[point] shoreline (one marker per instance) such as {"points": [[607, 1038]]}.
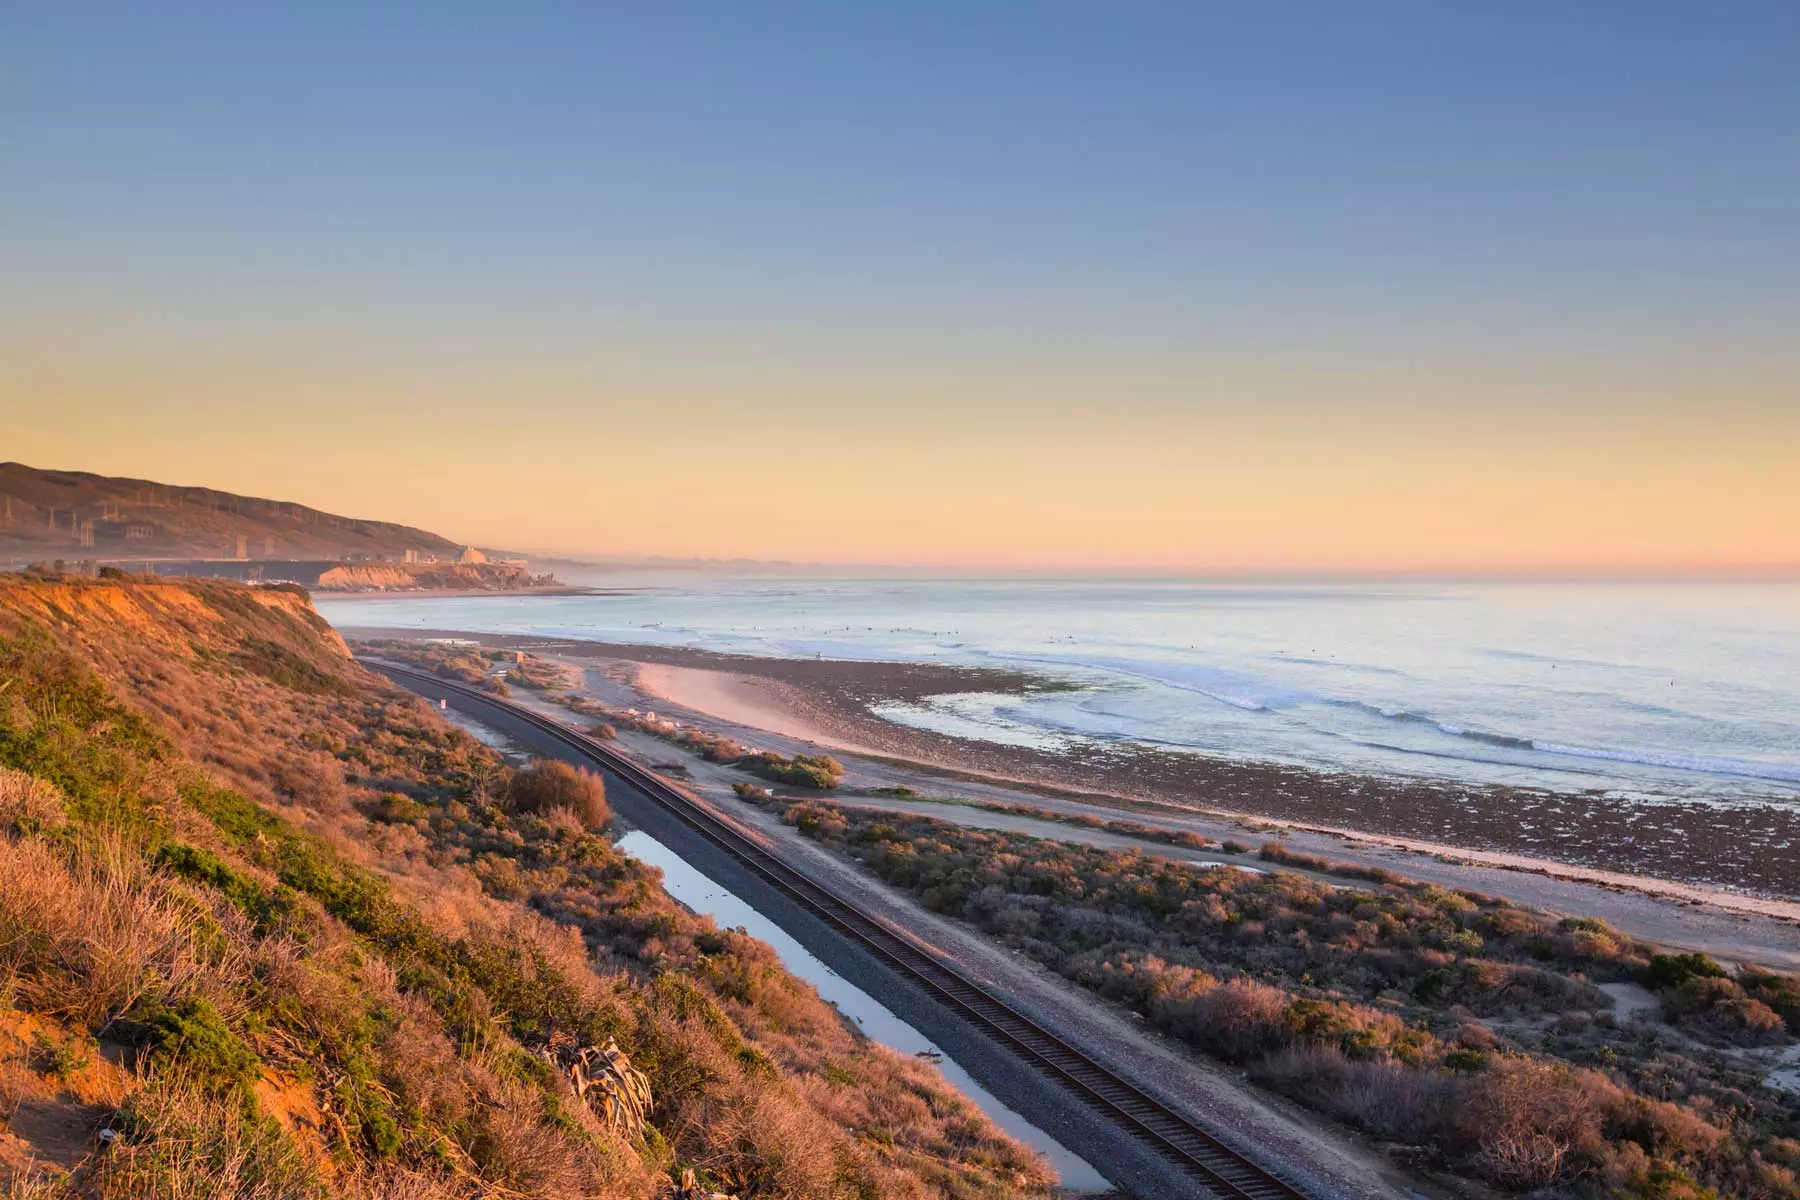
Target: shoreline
{"points": [[747, 701], [1692, 852], [554, 589]]}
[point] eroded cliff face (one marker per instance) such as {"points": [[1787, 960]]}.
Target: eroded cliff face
{"points": [[110, 620], [382, 577], [365, 579]]}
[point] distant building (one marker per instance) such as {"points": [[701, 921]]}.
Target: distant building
{"points": [[243, 546], [139, 532], [411, 556], [86, 533], [471, 555], [269, 546]]}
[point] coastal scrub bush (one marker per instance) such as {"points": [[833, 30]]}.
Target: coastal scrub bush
{"points": [[192, 1037], [178, 1143], [1669, 971], [818, 771], [282, 666], [1275, 852], [1443, 1019], [548, 784]]}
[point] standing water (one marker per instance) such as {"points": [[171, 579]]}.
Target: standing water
{"points": [[878, 1023]]}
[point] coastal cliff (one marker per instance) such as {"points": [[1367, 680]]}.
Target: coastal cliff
{"points": [[273, 928], [386, 577]]}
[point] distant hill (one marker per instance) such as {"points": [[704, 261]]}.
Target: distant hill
{"points": [[75, 514]]}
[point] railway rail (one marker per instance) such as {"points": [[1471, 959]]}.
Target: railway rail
{"points": [[1209, 1162]]}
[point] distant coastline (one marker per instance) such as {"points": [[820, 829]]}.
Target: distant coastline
{"points": [[405, 593]]}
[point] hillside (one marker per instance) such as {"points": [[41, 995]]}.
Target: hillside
{"points": [[78, 515], [270, 928]]}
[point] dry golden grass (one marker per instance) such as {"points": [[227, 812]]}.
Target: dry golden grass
{"points": [[265, 861], [84, 937]]}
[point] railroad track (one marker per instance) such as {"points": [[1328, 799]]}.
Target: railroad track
{"points": [[1219, 1169]]}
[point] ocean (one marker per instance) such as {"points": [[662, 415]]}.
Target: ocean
{"points": [[1679, 691]]}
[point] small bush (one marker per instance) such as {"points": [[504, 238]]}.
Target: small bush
{"points": [[818, 771], [179, 1143], [548, 784], [1275, 852], [1668, 971], [62, 1060], [194, 1037]]}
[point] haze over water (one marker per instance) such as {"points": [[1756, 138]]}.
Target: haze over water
{"points": [[1687, 691]]}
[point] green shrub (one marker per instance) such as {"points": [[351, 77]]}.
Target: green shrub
{"points": [[818, 771], [262, 905], [1668, 971], [192, 1039], [62, 1060]]}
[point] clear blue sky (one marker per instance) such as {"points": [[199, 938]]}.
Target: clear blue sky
{"points": [[1153, 206]]}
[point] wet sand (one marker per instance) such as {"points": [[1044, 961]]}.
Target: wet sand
{"points": [[1747, 848]]}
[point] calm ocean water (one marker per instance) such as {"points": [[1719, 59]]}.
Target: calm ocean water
{"points": [[1689, 691]]}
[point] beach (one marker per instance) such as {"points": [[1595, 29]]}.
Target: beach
{"points": [[1741, 847], [1682, 857], [1742, 925]]}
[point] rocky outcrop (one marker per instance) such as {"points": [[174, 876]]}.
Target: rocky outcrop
{"points": [[391, 577]]}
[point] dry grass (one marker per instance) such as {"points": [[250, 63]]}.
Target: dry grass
{"points": [[303, 889], [27, 802], [181, 1144], [85, 936]]}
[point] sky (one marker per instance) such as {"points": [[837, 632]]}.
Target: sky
{"points": [[1185, 287]]}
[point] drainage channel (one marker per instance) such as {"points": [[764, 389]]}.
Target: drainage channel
{"points": [[702, 894]]}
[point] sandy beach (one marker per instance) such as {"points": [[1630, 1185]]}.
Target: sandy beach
{"points": [[768, 705], [1737, 856], [748, 700]]}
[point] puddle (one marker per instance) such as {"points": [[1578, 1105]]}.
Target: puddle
{"points": [[701, 894], [485, 735]]}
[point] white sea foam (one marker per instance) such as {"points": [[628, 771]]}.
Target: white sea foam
{"points": [[1679, 762], [1690, 691]]}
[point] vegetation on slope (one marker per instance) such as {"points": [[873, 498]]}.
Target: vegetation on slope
{"points": [[328, 945]]}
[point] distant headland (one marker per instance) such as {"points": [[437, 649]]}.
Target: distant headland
{"points": [[79, 522]]}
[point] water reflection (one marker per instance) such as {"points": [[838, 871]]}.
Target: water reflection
{"points": [[703, 895]]}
